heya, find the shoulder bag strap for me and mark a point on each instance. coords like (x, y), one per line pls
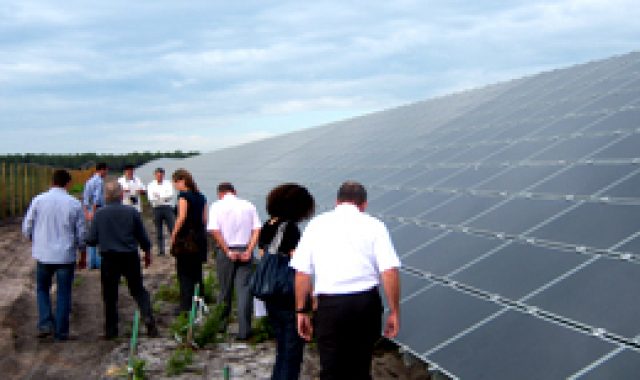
(277, 239)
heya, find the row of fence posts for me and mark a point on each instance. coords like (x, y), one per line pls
(19, 183)
(133, 344)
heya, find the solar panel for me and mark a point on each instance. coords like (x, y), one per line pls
(515, 209)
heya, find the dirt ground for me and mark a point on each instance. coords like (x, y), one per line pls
(86, 355)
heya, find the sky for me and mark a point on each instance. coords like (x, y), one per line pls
(121, 76)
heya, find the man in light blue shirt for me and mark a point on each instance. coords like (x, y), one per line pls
(55, 225)
(93, 198)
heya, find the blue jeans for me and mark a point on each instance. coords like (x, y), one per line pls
(289, 345)
(94, 258)
(59, 325)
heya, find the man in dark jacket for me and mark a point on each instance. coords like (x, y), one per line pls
(117, 230)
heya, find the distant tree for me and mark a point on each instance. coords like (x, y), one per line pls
(87, 160)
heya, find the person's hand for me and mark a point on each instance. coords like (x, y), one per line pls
(88, 215)
(392, 325)
(233, 256)
(147, 259)
(305, 329)
(82, 263)
(245, 256)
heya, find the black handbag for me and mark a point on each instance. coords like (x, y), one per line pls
(273, 278)
(185, 245)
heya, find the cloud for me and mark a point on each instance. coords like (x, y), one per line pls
(165, 74)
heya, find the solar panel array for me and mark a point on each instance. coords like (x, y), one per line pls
(515, 209)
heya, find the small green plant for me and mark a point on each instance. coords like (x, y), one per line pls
(179, 360)
(209, 331)
(210, 286)
(138, 369)
(156, 307)
(77, 282)
(180, 326)
(262, 330)
(122, 372)
(169, 292)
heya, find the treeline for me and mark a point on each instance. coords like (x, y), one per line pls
(88, 160)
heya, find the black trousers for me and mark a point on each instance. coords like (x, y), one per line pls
(163, 215)
(347, 328)
(115, 265)
(189, 268)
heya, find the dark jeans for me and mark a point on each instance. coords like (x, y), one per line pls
(64, 273)
(115, 265)
(289, 345)
(347, 328)
(189, 268)
(236, 273)
(163, 214)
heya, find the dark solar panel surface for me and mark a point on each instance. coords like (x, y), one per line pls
(515, 209)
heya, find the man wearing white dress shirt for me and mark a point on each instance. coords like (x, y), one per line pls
(235, 225)
(132, 187)
(160, 193)
(347, 253)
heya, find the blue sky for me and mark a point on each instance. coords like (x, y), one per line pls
(121, 76)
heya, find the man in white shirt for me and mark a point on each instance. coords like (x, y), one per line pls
(235, 226)
(160, 193)
(132, 187)
(348, 253)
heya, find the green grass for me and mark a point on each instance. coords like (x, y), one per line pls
(76, 189)
(209, 331)
(262, 330)
(179, 360)
(168, 292)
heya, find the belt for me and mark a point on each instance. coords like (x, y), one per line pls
(347, 295)
(238, 248)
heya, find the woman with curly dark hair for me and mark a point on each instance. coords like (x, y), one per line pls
(287, 204)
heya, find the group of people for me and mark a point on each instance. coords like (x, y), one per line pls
(340, 260)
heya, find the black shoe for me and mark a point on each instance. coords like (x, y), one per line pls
(152, 330)
(111, 335)
(44, 334)
(242, 338)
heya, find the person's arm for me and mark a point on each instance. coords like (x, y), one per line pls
(27, 222)
(89, 201)
(182, 216)
(143, 239)
(204, 214)
(217, 236)
(246, 255)
(81, 235)
(303, 315)
(391, 283)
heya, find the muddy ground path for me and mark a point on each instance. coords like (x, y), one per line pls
(23, 355)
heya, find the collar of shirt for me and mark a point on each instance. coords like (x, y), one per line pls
(347, 207)
(229, 197)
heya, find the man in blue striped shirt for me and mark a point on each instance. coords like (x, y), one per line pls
(55, 225)
(93, 198)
